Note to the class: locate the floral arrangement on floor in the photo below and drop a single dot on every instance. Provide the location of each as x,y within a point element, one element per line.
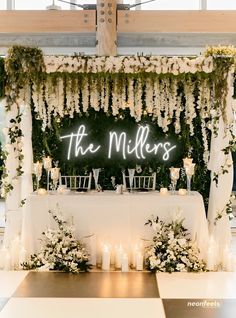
<point>172,250</point>
<point>60,250</point>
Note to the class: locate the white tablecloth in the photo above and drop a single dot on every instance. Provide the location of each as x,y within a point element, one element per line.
<point>112,218</point>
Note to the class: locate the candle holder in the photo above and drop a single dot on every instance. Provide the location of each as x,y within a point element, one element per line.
<point>187,162</point>
<point>174,175</point>
<point>189,173</point>
<point>47,164</point>
<point>55,173</point>
<point>37,170</point>
<point>96,176</point>
<point>131,178</point>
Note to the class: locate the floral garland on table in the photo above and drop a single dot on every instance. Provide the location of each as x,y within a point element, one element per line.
<point>60,250</point>
<point>172,250</point>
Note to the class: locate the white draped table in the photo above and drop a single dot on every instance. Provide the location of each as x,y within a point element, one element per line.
<point>112,218</point>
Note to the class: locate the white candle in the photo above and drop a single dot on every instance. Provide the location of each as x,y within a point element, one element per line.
<point>135,250</point>
<point>3,253</point>
<point>93,250</point>
<point>41,191</point>
<point>7,265</point>
<point>211,254</point>
<point>22,256</point>
<point>182,191</point>
<point>125,263</point>
<point>106,258</point>
<point>163,191</point>
<point>227,260</point>
<point>230,263</point>
<point>47,163</point>
<point>15,247</point>
<point>118,256</point>
<point>139,261</point>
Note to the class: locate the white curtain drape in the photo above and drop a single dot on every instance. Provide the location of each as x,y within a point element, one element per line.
<point>22,186</point>
<point>13,215</point>
<point>220,193</point>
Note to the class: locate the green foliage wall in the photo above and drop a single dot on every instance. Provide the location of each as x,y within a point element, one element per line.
<point>49,143</point>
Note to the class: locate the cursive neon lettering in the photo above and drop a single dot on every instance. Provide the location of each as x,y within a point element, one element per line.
<point>119,144</point>
<point>79,149</point>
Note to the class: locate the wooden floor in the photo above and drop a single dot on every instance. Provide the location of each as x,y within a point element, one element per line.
<point>89,285</point>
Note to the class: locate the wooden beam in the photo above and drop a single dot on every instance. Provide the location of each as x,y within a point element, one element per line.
<point>128,21</point>
<point>176,21</point>
<point>106,28</point>
<point>47,21</point>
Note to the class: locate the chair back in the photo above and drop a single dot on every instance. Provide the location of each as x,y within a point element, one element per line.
<point>141,182</point>
<point>77,182</point>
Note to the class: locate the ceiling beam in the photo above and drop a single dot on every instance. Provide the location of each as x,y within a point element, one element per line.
<point>79,21</point>
<point>57,21</point>
<point>176,21</point>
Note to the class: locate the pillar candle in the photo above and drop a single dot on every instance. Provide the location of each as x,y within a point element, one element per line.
<point>134,254</point>
<point>7,265</point>
<point>22,256</point>
<point>106,258</point>
<point>118,256</point>
<point>211,254</point>
<point>125,263</point>
<point>15,247</point>
<point>139,261</point>
<point>3,253</point>
<point>93,250</point>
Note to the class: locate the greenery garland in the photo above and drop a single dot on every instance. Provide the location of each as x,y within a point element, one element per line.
<point>2,77</point>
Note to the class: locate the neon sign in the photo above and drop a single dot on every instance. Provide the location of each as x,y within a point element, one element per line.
<point>119,143</point>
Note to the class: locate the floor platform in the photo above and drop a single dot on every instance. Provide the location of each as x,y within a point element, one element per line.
<point>114,294</point>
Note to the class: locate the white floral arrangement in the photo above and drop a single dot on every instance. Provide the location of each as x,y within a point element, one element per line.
<point>60,250</point>
<point>172,249</point>
<point>128,64</point>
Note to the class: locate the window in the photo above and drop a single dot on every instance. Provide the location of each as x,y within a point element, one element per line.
<point>3,4</point>
<point>221,5</point>
<point>39,5</point>
<point>169,4</point>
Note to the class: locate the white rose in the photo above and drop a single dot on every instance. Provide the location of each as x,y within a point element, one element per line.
<point>180,267</point>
